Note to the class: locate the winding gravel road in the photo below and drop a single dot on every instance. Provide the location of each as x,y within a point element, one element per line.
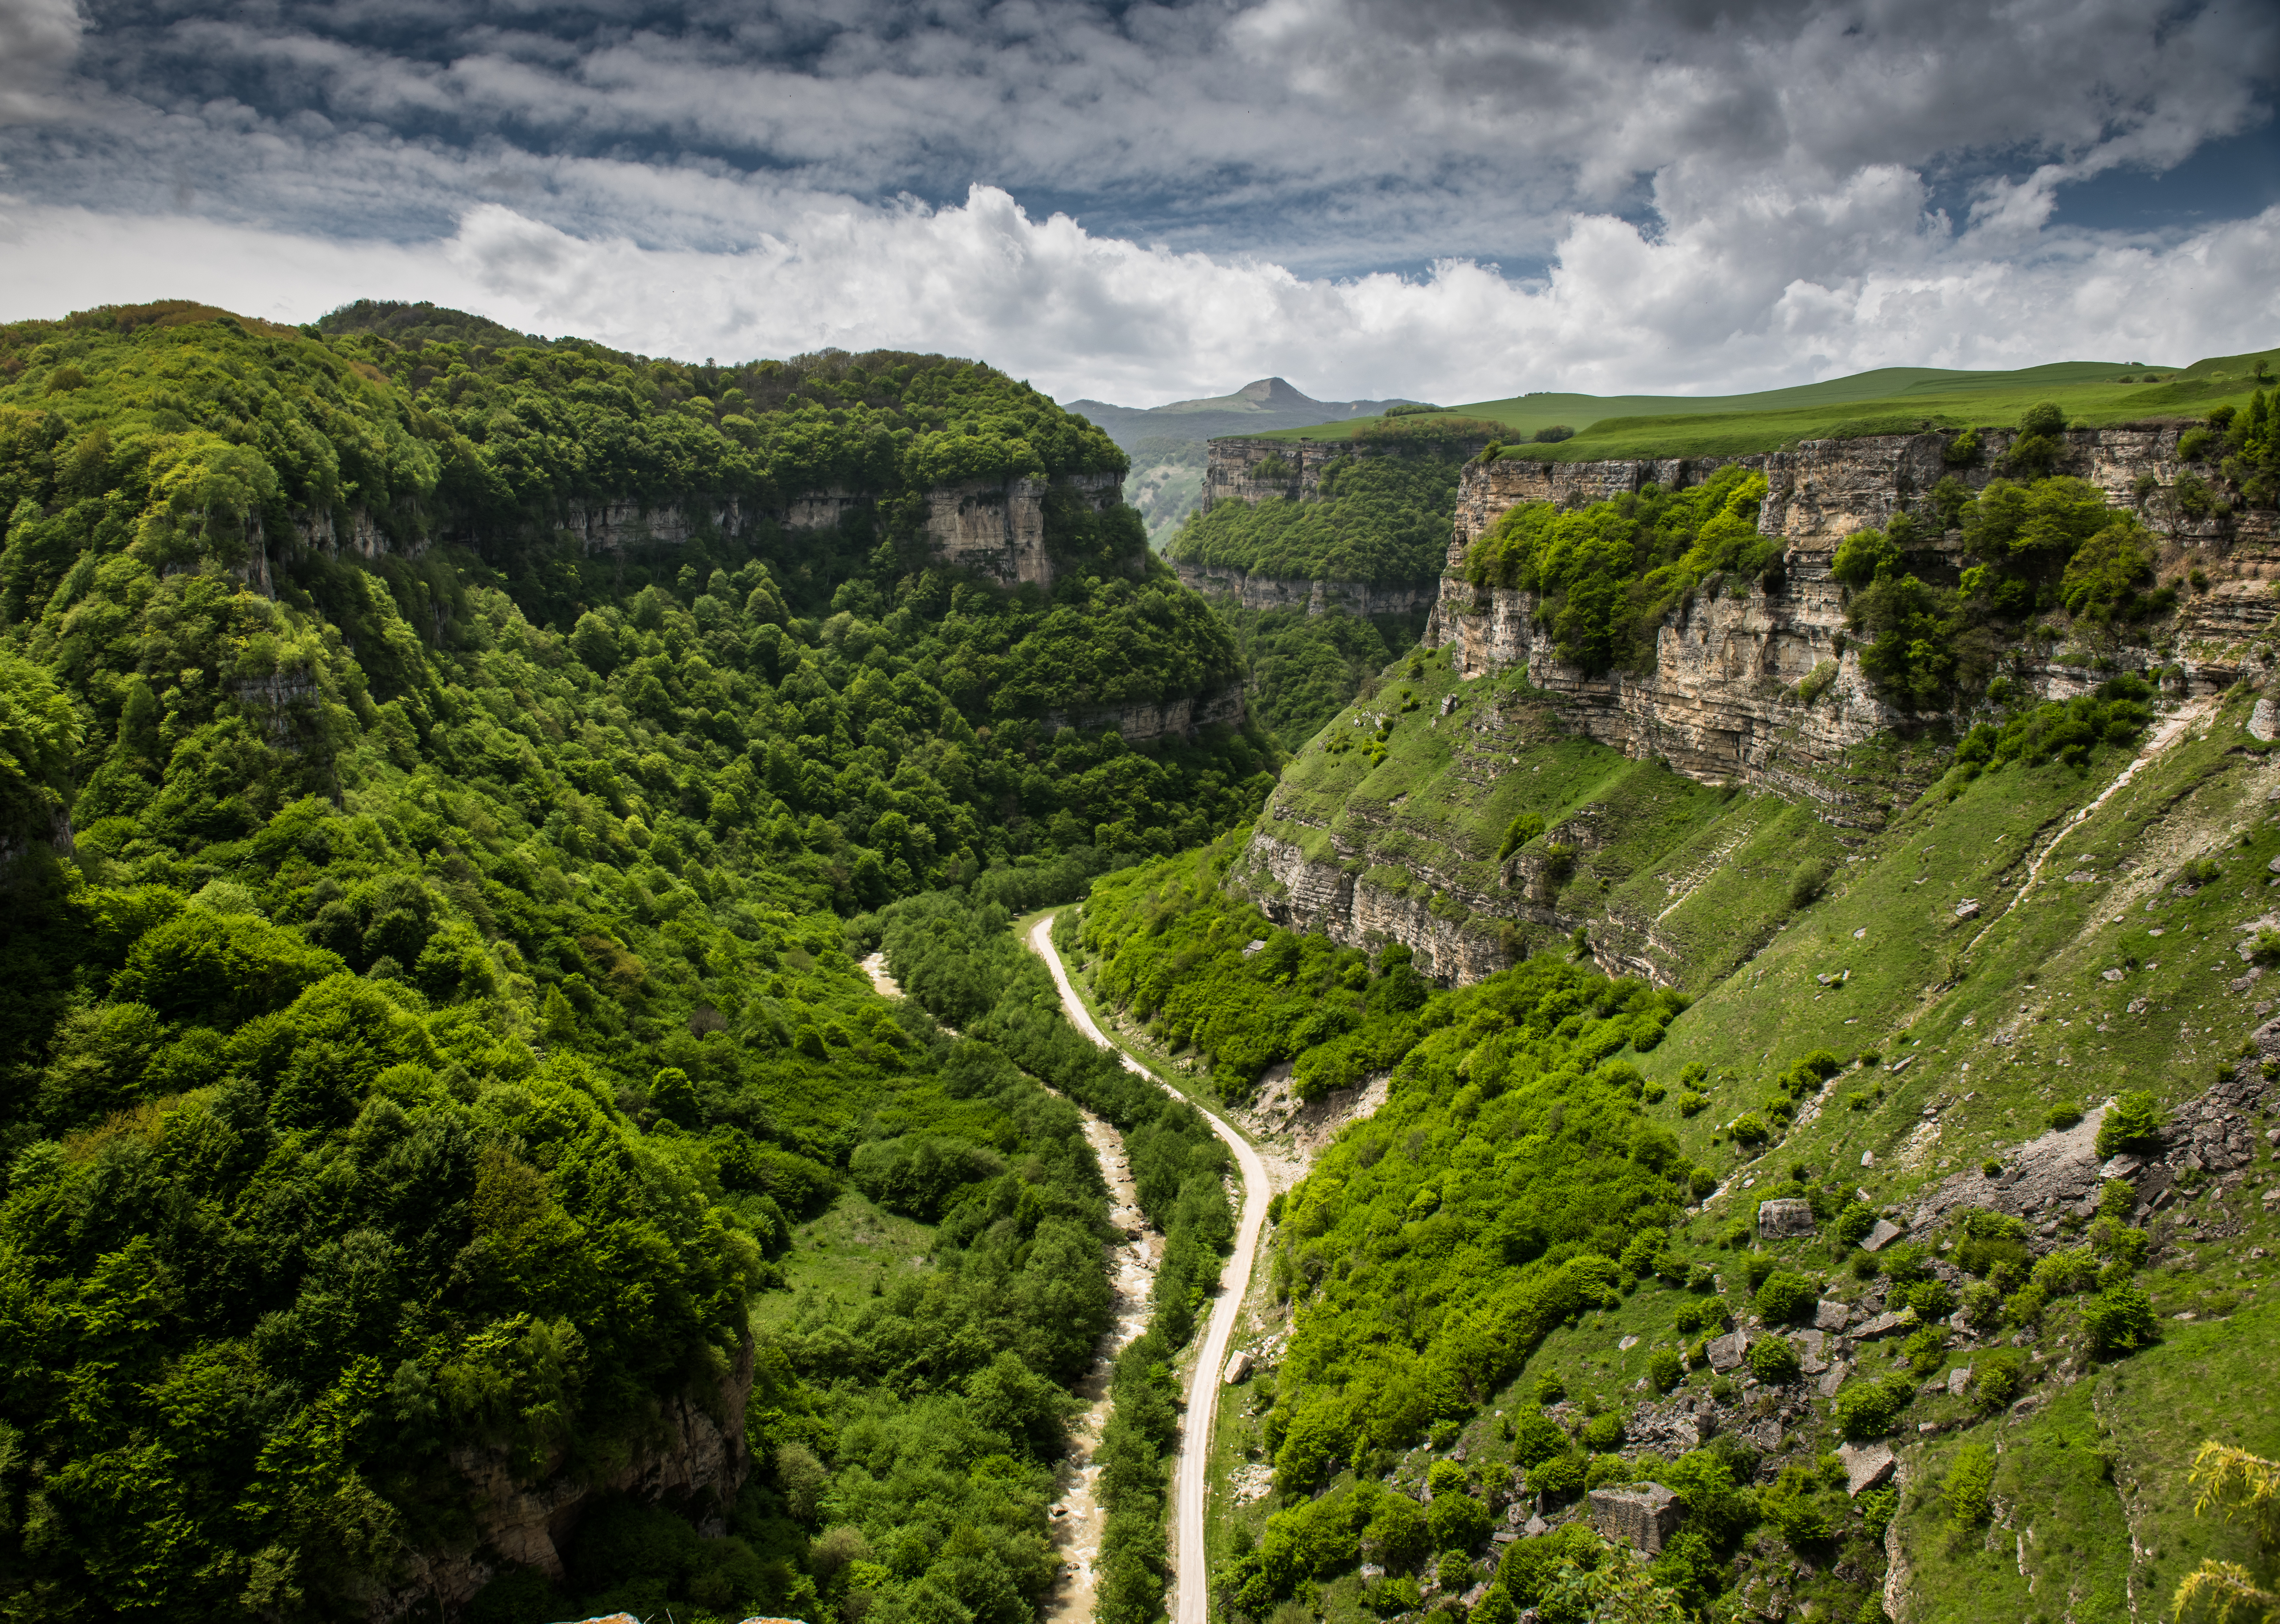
<point>1190,1575</point>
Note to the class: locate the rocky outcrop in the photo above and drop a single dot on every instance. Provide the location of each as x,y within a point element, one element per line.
<point>1720,703</point>
<point>1255,591</point>
<point>1143,719</point>
<point>999,529</point>
<point>694,1455</point>
<point>994,527</point>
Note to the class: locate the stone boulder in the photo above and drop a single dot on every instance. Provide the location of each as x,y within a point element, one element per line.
<point>1866,1466</point>
<point>1645,1516</point>
<point>1726,1351</point>
<point>1883,1235</point>
<point>1786,1216</point>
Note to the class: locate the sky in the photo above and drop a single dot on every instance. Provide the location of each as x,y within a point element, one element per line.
<point>1450,200</point>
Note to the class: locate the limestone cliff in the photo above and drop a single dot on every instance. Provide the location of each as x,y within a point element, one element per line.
<point>1720,705</point>
<point>996,528</point>
<point>1717,703</point>
<point>1251,590</point>
<point>694,1455</point>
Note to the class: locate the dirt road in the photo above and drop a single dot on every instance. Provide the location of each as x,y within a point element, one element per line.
<point>1191,1575</point>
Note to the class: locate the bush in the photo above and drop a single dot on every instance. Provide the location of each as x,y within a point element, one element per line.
<point>1665,1369</point>
<point>1970,1480</point>
<point>1604,1432</point>
<point>1931,1299</point>
<point>1851,1226</point>
<point>1553,435</point>
<point>2118,1320</point>
<point>1806,884</point>
<point>1458,1522</point>
<point>1561,1474</point>
<point>1692,1104</point>
<point>1963,451</point>
<point>1867,1410</point>
<point>1749,1128</point>
<point>1536,1440</point>
<point>1996,1376</point>
<point>1785,1296</point>
<point>1926,1348</point>
<point>2046,419</point>
<point>2131,1121</point>
<point>1773,1360</point>
<point>2063,1115</point>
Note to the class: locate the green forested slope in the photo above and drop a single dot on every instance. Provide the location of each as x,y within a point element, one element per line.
<point>429,1005</point>
<point>1381,520</point>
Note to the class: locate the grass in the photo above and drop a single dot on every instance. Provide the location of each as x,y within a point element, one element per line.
<point>2091,1491</point>
<point>1431,811</point>
<point>1891,400</point>
<point>840,1254</point>
<point>1998,1032</point>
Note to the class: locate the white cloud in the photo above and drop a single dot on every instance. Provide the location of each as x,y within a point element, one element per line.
<point>1767,288</point>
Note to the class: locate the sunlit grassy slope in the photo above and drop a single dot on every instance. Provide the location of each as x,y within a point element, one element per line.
<point>1890,400</point>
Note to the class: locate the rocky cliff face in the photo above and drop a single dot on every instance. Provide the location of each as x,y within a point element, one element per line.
<point>999,530</point>
<point>695,1455</point>
<point>1721,704</point>
<point>1256,591</point>
<point>996,528</point>
<point>1717,705</point>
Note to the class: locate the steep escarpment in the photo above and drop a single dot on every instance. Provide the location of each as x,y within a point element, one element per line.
<point>1395,825</point>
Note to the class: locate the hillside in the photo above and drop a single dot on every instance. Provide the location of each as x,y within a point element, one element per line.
<point>1888,400</point>
<point>1168,444</point>
<point>440,770</point>
<point>1669,878</point>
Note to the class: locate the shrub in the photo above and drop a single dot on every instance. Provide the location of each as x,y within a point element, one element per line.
<point>2132,1120</point>
<point>1926,1348</point>
<point>1969,1482</point>
<point>1665,1369</point>
<point>1867,1410</point>
<point>1523,829</point>
<point>1931,1299</point>
<point>2194,445</point>
<point>1604,1432</point>
<point>1997,1376</point>
<point>1553,435</point>
<point>1457,1521</point>
<point>1561,1474</point>
<point>1806,883</point>
<point>1692,1104</point>
<point>2118,1320</point>
<point>1550,1390</point>
<point>2046,419</point>
<point>1851,1226</point>
<point>2063,1115</point>
<point>1536,1440</point>
<point>1749,1128</point>
<point>1785,1296</point>
<point>1773,1360</point>
<point>1606,1469</point>
<point>1961,453</point>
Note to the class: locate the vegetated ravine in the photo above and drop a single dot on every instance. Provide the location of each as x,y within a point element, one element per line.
<point>457,1164</point>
